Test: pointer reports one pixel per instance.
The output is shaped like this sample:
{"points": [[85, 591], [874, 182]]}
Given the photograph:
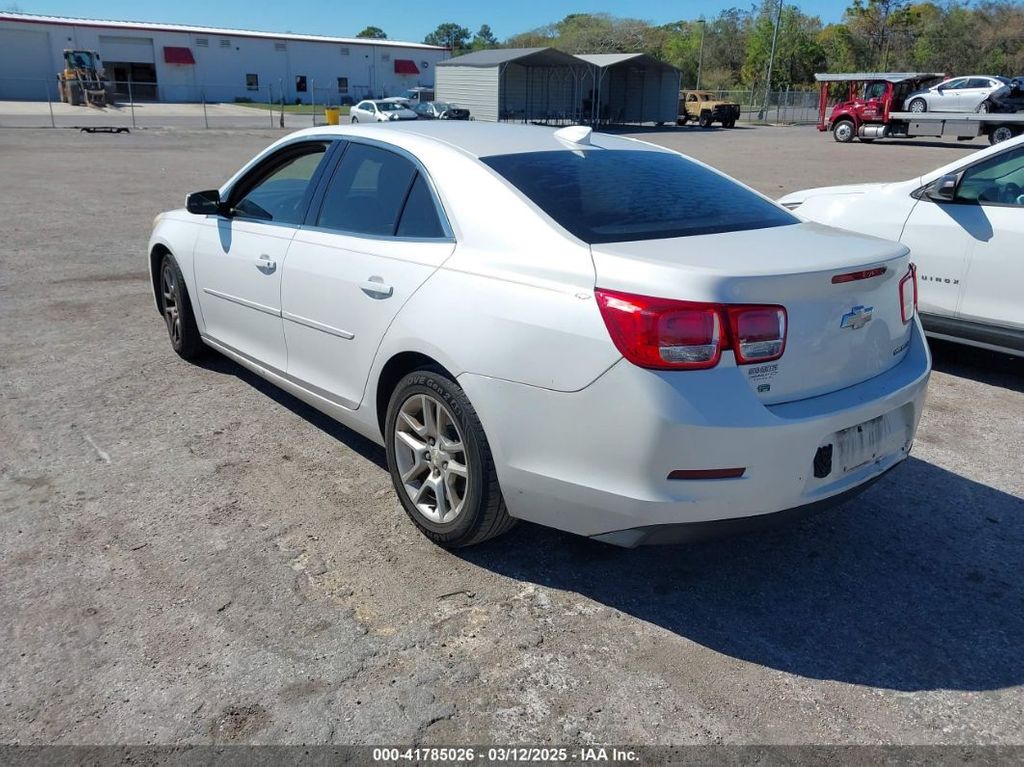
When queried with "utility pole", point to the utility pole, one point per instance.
{"points": [[771, 62], [700, 56]]}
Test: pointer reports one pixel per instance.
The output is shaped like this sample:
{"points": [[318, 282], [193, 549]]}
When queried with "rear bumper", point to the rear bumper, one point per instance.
{"points": [[596, 461], [688, 532]]}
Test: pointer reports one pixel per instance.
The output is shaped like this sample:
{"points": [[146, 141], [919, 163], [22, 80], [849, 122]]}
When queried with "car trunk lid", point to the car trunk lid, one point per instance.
{"points": [[844, 326]]}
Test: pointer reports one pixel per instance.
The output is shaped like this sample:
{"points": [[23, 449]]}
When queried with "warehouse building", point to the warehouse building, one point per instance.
{"points": [[548, 85], [170, 62]]}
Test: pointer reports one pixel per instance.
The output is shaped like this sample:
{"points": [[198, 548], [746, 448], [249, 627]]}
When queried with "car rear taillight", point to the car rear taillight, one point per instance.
{"points": [[665, 334], [908, 294], [758, 333], [661, 333]]}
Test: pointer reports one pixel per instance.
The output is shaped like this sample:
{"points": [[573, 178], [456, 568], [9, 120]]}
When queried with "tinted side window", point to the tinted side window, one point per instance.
{"points": [[604, 195], [999, 179], [367, 192], [277, 191], [419, 217]]}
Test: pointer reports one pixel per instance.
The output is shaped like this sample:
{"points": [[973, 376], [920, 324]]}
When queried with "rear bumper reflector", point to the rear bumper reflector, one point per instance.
{"points": [[706, 473]]}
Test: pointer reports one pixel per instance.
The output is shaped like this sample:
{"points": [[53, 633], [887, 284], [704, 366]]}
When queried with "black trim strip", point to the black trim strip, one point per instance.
{"points": [[978, 332]]}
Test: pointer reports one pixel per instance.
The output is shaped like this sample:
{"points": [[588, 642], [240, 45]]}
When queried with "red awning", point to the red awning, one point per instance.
{"points": [[406, 67], [174, 55]]}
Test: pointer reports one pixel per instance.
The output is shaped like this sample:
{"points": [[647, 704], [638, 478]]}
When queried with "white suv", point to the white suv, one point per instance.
{"points": [[964, 225]]}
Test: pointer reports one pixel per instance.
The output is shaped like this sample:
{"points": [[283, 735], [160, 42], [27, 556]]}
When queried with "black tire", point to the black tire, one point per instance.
{"points": [[681, 120], [844, 131], [1001, 133], [179, 319], [983, 108], [705, 120], [920, 103], [729, 124], [483, 514], [354, 120]]}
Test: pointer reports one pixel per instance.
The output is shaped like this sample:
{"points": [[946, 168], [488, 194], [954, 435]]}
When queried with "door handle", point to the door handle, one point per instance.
{"points": [[375, 288], [266, 264]]}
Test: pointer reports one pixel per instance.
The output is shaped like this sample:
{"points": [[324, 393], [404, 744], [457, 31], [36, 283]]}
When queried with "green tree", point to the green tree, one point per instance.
{"points": [[483, 39], [373, 33], [449, 35], [886, 26], [603, 33], [541, 37], [798, 52]]}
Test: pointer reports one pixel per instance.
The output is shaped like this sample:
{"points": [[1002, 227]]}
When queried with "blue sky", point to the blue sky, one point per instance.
{"points": [[401, 20]]}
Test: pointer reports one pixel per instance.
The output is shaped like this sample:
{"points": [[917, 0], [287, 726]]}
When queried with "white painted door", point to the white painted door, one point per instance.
{"points": [[994, 281], [939, 238], [239, 256], [378, 237]]}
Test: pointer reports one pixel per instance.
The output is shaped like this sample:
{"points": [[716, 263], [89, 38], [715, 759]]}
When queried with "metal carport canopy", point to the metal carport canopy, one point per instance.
{"points": [[514, 84], [531, 57], [600, 63]]}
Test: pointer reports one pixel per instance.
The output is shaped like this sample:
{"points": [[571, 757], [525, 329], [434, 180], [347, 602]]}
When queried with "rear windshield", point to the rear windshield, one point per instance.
{"points": [[619, 196]]}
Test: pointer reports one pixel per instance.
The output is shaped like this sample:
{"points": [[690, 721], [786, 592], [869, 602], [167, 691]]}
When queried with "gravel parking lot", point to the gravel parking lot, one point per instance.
{"points": [[191, 556]]}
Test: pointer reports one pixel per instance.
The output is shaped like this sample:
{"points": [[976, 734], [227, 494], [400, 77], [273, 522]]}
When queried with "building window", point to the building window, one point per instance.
{"points": [[280, 47], [225, 43], [202, 42], [252, 82], [342, 85], [344, 51], [300, 83]]}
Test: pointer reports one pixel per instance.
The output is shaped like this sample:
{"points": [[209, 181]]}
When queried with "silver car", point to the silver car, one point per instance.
{"points": [[380, 111], [957, 94]]}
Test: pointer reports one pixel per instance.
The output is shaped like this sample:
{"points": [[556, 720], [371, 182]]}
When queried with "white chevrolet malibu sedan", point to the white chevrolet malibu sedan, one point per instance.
{"points": [[580, 330]]}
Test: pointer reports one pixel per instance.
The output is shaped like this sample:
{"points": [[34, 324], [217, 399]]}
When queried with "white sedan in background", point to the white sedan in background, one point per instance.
{"points": [[957, 94], [533, 334], [964, 225], [381, 111]]}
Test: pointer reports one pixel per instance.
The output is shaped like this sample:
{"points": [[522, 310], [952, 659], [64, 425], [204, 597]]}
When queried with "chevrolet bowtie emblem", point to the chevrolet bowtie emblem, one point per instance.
{"points": [[857, 317]]}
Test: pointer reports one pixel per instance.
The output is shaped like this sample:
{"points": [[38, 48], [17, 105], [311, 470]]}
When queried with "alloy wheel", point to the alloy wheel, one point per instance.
{"points": [[431, 458], [171, 302], [917, 105]]}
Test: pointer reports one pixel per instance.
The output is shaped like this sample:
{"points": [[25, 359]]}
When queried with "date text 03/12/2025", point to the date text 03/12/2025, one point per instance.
{"points": [[499, 754]]}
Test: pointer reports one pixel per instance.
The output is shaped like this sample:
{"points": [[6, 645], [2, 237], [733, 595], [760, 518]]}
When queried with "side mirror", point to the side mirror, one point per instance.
{"points": [[944, 189], [204, 203]]}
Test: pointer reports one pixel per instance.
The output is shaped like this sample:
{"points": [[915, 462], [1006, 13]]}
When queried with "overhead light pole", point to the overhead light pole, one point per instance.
{"points": [[771, 62], [700, 56]]}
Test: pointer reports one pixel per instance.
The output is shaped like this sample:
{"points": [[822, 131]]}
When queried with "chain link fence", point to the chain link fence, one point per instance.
{"points": [[34, 103], [786, 107]]}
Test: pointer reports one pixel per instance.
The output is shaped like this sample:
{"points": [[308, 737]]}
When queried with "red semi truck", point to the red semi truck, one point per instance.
{"points": [[872, 100]]}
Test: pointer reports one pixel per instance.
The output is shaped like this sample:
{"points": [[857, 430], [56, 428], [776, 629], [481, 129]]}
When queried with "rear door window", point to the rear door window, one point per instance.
{"points": [[603, 195], [368, 193]]}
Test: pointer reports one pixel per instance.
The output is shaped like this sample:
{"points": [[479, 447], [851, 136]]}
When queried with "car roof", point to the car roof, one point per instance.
{"points": [[475, 138]]}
